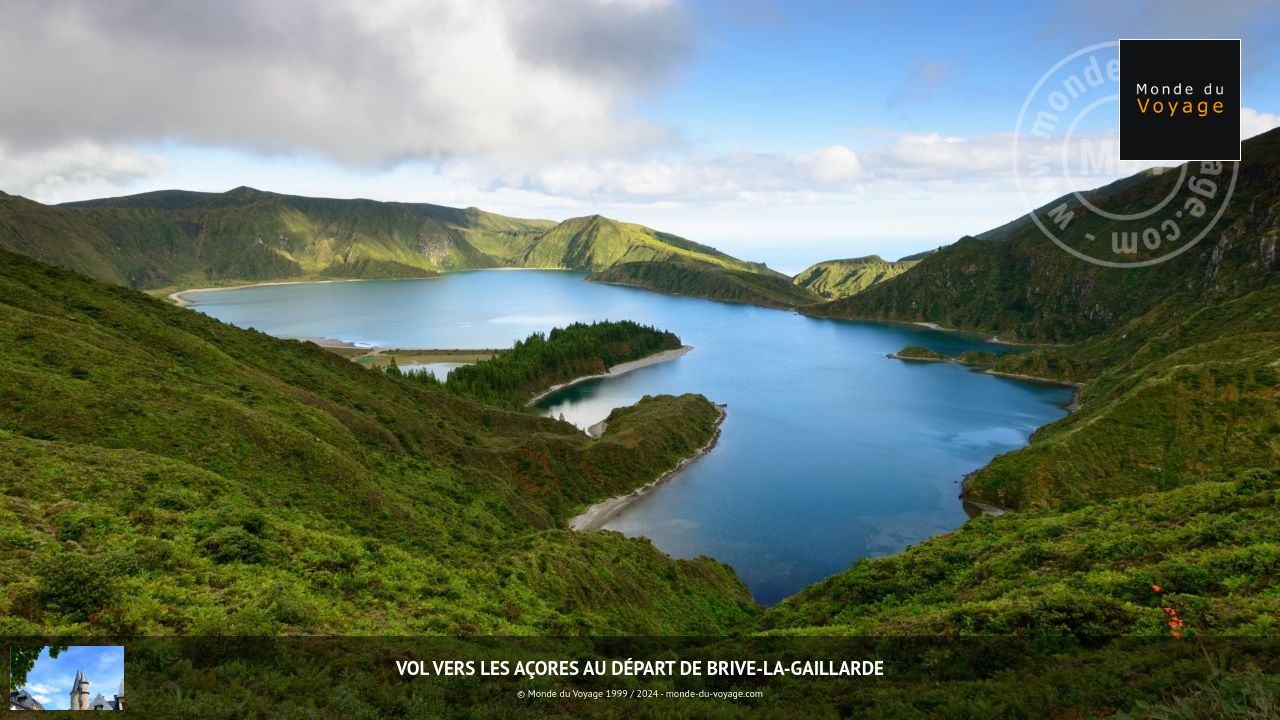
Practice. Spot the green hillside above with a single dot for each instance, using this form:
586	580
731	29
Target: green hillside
545	360
1166	475
178	238
706	280
1146	513
1210	547
1025	288
164	473
1171	398
832	279
1181	361
595	243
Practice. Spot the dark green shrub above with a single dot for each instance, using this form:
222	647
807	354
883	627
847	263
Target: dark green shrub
75	584
233	544
253	521
173	499
79	526
153	554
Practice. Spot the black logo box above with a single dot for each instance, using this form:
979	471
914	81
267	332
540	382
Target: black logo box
1185	67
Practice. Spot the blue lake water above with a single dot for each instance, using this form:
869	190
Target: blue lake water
830	451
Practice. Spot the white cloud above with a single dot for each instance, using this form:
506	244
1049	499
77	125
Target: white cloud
41	688
364	83
75	170
42	699
692	177
830	165
1253	122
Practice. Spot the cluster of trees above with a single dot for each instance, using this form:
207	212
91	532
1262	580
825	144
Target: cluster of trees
545	359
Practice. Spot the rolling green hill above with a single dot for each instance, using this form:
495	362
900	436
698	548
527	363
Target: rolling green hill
1018	284
1179	360
1160	477
833	279
1146	513
177	238
595	243
164	473
161	472
711	281
1172	397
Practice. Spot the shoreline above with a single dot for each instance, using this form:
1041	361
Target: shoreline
595	516
788	308
619	369
907	358
981	509
180	301
1072	406
597	431
988	338
176	296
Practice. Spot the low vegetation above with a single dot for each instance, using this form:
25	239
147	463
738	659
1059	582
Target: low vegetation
541	361
916	352
698	279
833	279
1015	284
161	472
1170	399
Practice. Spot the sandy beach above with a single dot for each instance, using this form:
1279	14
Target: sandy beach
594	517
619	369
180	301
177	297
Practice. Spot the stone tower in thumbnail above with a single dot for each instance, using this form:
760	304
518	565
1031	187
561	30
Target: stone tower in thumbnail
80	692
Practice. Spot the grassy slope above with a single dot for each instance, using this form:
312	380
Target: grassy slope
1025	288
218	480
705	280
1212	547
595	243
1170	398
1167	474
832	279
1179	360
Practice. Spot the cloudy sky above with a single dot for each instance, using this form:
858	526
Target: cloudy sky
781	131
49	682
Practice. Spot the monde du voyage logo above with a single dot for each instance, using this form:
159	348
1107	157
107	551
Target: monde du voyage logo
1163	179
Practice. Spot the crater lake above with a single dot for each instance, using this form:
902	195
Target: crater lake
829	452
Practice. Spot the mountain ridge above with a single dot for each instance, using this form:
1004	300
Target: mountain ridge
1013	282
833	279
179	238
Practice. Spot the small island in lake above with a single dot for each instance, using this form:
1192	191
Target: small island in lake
919	354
